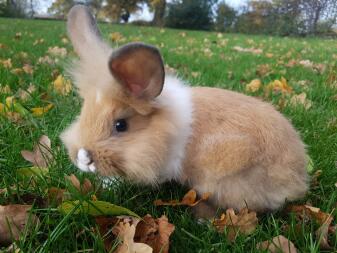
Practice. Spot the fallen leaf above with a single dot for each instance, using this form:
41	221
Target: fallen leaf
307	212
94	208
279	244
248	50
263	70
188	200
126	233
46	60
278	86
13	221
244	222
83	188
28	69
116	37
24	95
32	171
56	195
254	85
301	99
40	111
57	51
6	63
322	234
154	232
61	85
41	155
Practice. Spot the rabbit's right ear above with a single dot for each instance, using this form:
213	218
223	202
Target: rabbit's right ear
83	31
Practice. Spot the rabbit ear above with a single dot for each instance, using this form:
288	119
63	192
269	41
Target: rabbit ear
83	31
140	70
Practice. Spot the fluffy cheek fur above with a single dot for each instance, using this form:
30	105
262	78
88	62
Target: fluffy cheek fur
137	155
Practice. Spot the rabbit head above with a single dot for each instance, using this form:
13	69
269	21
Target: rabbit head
127	125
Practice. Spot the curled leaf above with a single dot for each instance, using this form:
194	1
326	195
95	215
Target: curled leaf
13	221
154	232
41	155
254	85
40	111
279	244
244	222
190	199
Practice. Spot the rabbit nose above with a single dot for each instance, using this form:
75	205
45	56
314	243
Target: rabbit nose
84	161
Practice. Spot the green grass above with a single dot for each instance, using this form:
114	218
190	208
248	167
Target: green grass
224	68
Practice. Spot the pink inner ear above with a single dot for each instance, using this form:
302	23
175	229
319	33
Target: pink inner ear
136	89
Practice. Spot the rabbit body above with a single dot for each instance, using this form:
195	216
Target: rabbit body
137	123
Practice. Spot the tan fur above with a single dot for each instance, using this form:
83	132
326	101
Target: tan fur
244	152
238	148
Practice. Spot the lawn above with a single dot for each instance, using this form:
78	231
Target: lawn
201	58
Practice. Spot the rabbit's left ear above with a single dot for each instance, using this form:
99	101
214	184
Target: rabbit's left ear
139	68
83	31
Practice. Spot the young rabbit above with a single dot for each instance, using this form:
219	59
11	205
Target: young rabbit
137	123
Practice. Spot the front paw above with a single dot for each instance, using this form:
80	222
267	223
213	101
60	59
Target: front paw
84	161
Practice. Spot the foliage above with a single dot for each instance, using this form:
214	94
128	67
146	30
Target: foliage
225	17
190	14
17	8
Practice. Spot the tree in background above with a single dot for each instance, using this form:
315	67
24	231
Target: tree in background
190	14
225	17
158	7
121	9
18	8
61	8
318	14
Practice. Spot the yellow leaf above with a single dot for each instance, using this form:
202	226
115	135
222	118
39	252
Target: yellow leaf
62	86
39	111
254	85
279	86
116	37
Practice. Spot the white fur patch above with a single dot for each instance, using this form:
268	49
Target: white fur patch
176	97
84	161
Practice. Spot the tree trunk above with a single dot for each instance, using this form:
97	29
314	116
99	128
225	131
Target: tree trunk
159	12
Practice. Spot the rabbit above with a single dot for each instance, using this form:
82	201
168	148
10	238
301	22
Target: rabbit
137	123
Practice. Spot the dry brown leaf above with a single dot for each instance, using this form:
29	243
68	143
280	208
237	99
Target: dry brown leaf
56	195
324	220
301	99
83	188
24	95
322	234
279	244
254	85
28	69
57	51
126	233
6	63
244	222
263	70
155	233
13	220
5	89
190	199
248	50
41	155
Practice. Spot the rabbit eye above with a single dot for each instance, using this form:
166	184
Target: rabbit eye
121	125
